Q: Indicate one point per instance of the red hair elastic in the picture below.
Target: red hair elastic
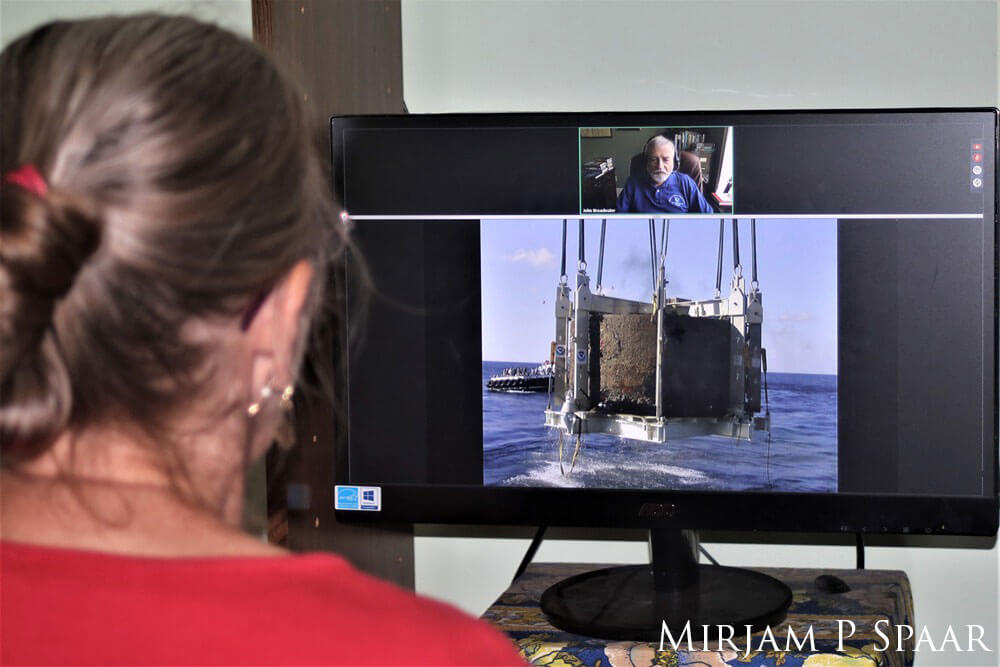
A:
(28, 178)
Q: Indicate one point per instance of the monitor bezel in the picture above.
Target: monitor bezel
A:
(667, 508)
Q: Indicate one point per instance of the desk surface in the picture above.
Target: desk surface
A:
(875, 595)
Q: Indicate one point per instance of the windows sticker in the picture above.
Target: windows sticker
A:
(363, 498)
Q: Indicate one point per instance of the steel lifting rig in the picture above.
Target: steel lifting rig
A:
(575, 405)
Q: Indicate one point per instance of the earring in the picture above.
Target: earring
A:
(285, 403)
(286, 398)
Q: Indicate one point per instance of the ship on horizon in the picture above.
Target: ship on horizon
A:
(522, 379)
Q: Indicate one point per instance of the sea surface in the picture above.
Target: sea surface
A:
(799, 456)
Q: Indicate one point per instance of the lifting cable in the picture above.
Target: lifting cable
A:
(664, 236)
(736, 244)
(664, 232)
(581, 266)
(767, 411)
(600, 256)
(652, 251)
(562, 271)
(763, 367)
(718, 271)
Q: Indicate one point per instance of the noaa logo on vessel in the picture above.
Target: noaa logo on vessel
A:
(560, 350)
(581, 356)
(677, 200)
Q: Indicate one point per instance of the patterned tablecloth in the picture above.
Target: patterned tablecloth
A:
(875, 595)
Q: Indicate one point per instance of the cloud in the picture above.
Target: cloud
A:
(539, 257)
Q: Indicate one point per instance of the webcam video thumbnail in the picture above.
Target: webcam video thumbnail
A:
(658, 170)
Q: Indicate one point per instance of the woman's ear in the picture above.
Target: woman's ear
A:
(295, 287)
(274, 327)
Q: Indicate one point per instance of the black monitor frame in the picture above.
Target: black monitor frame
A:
(674, 509)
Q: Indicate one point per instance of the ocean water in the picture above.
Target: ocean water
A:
(799, 456)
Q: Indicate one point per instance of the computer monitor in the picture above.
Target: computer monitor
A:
(776, 321)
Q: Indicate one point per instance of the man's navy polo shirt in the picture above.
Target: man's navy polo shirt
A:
(678, 194)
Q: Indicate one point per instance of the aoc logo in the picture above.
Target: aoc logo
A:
(658, 510)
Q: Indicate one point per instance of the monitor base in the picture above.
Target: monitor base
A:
(633, 602)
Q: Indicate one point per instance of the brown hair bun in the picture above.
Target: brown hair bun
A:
(44, 241)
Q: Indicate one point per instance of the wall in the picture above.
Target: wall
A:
(589, 56)
(19, 16)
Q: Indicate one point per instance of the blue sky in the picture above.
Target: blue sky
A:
(796, 261)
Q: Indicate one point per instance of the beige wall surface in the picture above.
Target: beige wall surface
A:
(19, 16)
(509, 55)
(580, 55)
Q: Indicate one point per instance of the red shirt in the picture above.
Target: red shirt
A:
(61, 606)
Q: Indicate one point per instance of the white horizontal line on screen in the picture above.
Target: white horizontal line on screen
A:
(686, 216)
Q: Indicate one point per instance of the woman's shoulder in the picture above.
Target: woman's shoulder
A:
(313, 608)
(368, 619)
(408, 622)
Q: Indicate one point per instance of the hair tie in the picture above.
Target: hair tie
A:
(27, 177)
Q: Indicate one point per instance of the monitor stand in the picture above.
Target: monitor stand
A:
(632, 602)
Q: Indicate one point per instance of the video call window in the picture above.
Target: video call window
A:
(658, 170)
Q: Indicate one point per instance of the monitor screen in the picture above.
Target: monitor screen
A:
(764, 320)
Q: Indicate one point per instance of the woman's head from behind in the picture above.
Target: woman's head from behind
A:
(152, 286)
